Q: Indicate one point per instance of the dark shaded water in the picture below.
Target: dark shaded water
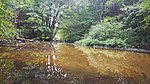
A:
(69, 64)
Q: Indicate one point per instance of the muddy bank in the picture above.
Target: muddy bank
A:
(127, 49)
(122, 49)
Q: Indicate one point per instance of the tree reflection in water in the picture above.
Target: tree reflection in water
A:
(24, 72)
(50, 73)
(51, 59)
(60, 64)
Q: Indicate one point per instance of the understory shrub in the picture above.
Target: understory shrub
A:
(108, 33)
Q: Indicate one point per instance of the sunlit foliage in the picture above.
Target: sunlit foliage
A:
(6, 26)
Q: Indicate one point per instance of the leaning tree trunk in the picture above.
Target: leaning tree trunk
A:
(53, 25)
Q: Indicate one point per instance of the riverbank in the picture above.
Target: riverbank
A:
(128, 49)
(5, 43)
(140, 50)
(123, 49)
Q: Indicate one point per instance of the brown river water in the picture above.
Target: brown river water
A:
(60, 63)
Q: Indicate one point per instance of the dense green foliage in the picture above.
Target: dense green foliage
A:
(111, 23)
(39, 19)
(129, 29)
(75, 23)
(107, 33)
(7, 30)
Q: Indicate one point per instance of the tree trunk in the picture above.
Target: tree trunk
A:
(101, 10)
(54, 25)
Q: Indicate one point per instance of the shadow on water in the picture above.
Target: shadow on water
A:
(66, 64)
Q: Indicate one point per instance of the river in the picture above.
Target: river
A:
(60, 63)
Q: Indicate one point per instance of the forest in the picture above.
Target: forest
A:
(105, 23)
(74, 41)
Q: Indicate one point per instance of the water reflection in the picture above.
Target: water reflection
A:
(51, 59)
(111, 64)
(119, 63)
(32, 65)
(68, 64)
